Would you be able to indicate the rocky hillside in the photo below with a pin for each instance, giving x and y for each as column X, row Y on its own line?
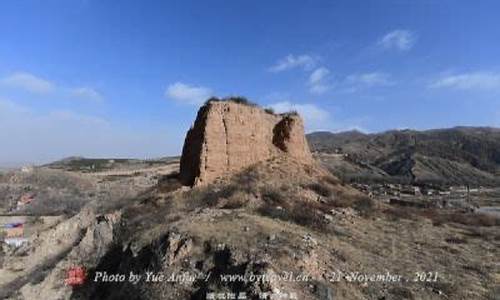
column 279, row 226
column 274, row 227
column 461, row 155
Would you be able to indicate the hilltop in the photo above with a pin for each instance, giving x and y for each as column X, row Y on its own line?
column 455, row 156
column 231, row 134
column 274, row 224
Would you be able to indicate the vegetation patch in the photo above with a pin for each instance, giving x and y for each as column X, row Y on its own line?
column 269, row 110
column 235, row 99
column 169, row 183
column 320, row 189
column 439, row 218
column 288, row 207
column 455, row 240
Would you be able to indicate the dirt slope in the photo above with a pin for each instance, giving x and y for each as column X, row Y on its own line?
column 462, row 155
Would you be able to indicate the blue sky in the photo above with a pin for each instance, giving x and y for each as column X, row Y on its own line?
column 125, row 78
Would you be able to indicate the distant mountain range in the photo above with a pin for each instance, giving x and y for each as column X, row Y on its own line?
column 78, row 163
column 460, row 155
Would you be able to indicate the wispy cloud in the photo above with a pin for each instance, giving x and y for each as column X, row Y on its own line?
column 291, row 61
column 189, row 94
column 28, row 82
column 313, row 115
column 316, row 117
column 86, row 93
column 318, row 78
column 369, row 79
column 38, row 85
column 318, row 81
column 399, row 39
column 469, row 81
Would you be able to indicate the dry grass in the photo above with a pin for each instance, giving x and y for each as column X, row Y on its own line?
column 284, row 204
column 330, row 180
column 305, row 215
column 234, row 203
column 169, row 183
column 469, row 219
column 456, row 240
column 320, row 189
column 441, row 217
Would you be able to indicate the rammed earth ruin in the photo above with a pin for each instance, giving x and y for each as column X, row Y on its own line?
column 229, row 136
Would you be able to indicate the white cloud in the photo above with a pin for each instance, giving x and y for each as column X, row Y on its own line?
column 398, row 39
column 318, row 75
column 31, row 83
column 370, row 79
column 194, row 95
column 291, row 61
column 314, row 117
column 469, row 81
column 86, row 93
column 28, row 82
column 318, row 81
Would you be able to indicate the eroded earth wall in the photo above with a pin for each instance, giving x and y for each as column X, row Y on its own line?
column 228, row 136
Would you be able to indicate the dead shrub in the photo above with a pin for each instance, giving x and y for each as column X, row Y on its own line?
column 169, row 183
column 432, row 215
column 274, row 197
column 274, row 212
column 308, row 169
column 320, row 189
column 365, row 206
column 330, row 180
column 469, row 219
column 476, row 268
column 494, row 294
column 208, row 196
column 446, row 288
column 308, row 216
column 439, row 218
column 212, row 196
column 269, row 110
column 401, row 293
column 48, row 204
column 235, row 99
column 481, row 233
column 398, row 213
column 341, row 202
column 450, row 250
column 247, row 179
column 235, row 203
column 288, row 208
column 455, row 240
column 303, row 215
column 486, row 220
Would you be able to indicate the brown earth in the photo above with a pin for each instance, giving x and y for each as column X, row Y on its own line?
column 281, row 215
column 228, row 136
column 273, row 217
column 454, row 156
